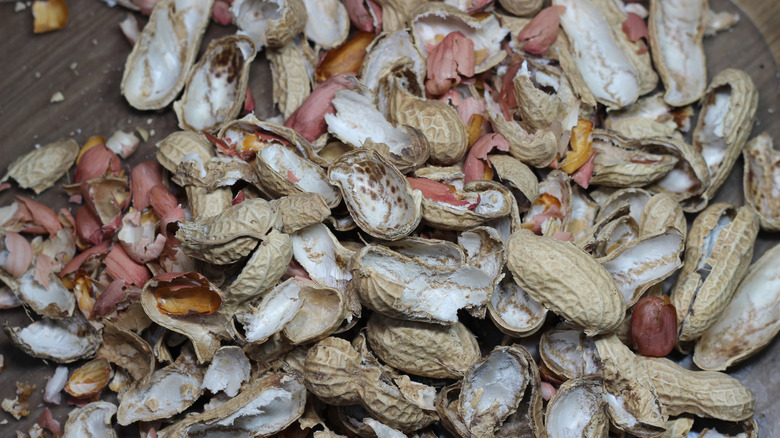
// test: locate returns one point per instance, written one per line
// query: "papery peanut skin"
(654, 327)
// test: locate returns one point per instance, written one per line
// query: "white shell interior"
(572, 411)
(387, 53)
(170, 390)
(155, 71)
(438, 293)
(55, 299)
(268, 413)
(515, 308)
(484, 249)
(492, 389)
(311, 178)
(212, 89)
(377, 196)
(382, 430)
(227, 371)
(276, 309)
(322, 256)
(92, 420)
(645, 262)
(357, 119)
(712, 136)
(252, 16)
(327, 23)
(604, 67)
(749, 321)
(677, 28)
(61, 340)
(570, 352)
(440, 253)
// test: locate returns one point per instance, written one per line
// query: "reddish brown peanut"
(654, 326)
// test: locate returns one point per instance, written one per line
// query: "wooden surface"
(765, 14)
(85, 62)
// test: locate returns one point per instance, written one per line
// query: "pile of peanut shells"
(460, 224)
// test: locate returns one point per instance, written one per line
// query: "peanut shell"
(151, 80)
(703, 393)
(566, 280)
(717, 255)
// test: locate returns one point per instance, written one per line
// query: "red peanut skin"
(654, 327)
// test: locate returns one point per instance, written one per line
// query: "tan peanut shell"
(495, 201)
(760, 182)
(396, 13)
(214, 173)
(522, 8)
(204, 204)
(93, 418)
(621, 162)
(650, 116)
(423, 349)
(175, 28)
(513, 311)
(569, 354)
(632, 402)
(688, 178)
(493, 389)
(230, 235)
(301, 210)
(173, 148)
(40, 168)
(717, 255)
(283, 172)
(749, 322)
(566, 280)
(703, 393)
(235, 133)
(385, 52)
(561, 51)
(726, 119)
(60, 340)
(544, 98)
(518, 176)
(678, 427)
(262, 271)
(437, 121)
(644, 262)
(216, 85)
(269, 23)
(343, 374)
(128, 350)
(537, 151)
(170, 390)
(662, 212)
(292, 83)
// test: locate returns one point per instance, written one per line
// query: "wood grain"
(765, 14)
